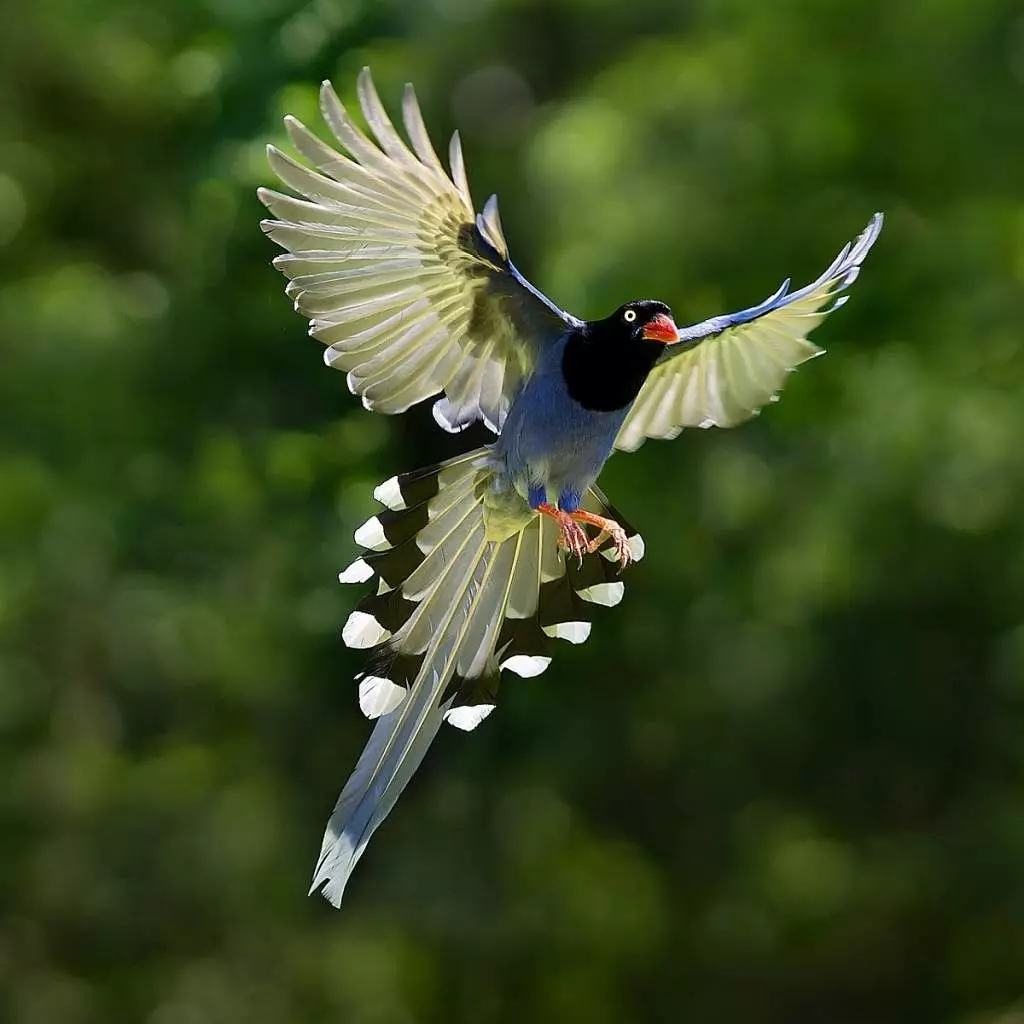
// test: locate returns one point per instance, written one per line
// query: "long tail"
(462, 591)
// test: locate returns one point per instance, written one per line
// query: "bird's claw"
(572, 535)
(623, 552)
(573, 539)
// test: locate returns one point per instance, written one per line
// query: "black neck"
(604, 370)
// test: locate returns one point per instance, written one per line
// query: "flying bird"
(476, 564)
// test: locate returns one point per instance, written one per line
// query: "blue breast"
(553, 448)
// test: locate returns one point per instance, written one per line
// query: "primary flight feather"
(479, 562)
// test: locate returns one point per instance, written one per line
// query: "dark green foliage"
(784, 780)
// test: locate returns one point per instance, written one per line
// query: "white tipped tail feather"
(468, 581)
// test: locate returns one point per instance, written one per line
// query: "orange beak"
(661, 328)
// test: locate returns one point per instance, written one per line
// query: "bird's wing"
(722, 371)
(411, 292)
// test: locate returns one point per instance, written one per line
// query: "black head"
(638, 322)
(607, 361)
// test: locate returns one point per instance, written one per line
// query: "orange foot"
(607, 528)
(572, 538)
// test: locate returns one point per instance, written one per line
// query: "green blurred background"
(784, 781)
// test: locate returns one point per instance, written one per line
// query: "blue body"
(552, 447)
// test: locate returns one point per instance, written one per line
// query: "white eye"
(629, 316)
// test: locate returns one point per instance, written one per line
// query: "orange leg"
(608, 528)
(573, 538)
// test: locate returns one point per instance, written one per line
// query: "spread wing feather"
(724, 370)
(411, 292)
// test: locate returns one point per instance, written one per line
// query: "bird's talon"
(622, 550)
(620, 542)
(573, 538)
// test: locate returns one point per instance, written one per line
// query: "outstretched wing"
(410, 291)
(722, 371)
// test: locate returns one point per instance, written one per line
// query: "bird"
(476, 564)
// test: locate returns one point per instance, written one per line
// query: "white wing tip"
(379, 696)
(371, 535)
(469, 716)
(574, 632)
(358, 572)
(390, 494)
(607, 594)
(526, 665)
(362, 630)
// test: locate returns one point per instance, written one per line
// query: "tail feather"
(364, 803)
(455, 602)
(397, 744)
